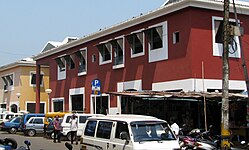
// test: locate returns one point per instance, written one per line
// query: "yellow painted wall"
(22, 84)
(29, 91)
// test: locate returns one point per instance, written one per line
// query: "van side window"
(104, 130)
(82, 119)
(68, 118)
(121, 127)
(90, 128)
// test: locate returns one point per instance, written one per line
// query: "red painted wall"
(184, 61)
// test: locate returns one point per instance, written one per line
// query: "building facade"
(173, 48)
(18, 86)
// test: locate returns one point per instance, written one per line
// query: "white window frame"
(34, 85)
(55, 99)
(76, 91)
(92, 101)
(7, 77)
(83, 53)
(160, 53)
(33, 102)
(61, 72)
(143, 43)
(101, 61)
(218, 47)
(116, 66)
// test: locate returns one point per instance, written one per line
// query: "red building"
(172, 48)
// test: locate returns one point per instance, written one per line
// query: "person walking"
(57, 129)
(73, 127)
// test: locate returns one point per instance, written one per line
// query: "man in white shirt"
(74, 127)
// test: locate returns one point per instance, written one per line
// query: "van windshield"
(151, 131)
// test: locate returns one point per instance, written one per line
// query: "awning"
(182, 94)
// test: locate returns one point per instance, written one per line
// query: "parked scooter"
(197, 140)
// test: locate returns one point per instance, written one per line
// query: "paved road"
(37, 142)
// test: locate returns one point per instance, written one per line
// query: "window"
(118, 48)
(61, 63)
(104, 130)
(176, 37)
(155, 38)
(69, 61)
(33, 79)
(5, 83)
(10, 79)
(8, 82)
(105, 53)
(90, 128)
(38, 121)
(58, 104)
(121, 127)
(234, 46)
(136, 41)
(82, 119)
(82, 56)
(61, 71)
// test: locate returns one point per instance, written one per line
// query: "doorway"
(100, 104)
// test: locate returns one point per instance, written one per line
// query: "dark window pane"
(90, 128)
(104, 130)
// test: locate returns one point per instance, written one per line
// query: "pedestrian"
(175, 128)
(57, 129)
(73, 127)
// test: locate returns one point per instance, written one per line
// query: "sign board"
(96, 87)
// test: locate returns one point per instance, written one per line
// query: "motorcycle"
(197, 140)
(11, 144)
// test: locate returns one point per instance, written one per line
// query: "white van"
(81, 123)
(7, 115)
(128, 132)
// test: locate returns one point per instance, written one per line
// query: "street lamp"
(18, 96)
(48, 91)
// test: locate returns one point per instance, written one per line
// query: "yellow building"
(18, 86)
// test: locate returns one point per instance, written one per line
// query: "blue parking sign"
(96, 87)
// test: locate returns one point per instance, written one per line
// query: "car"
(34, 126)
(133, 132)
(81, 123)
(26, 117)
(12, 126)
(50, 129)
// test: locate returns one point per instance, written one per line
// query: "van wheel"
(12, 130)
(69, 136)
(52, 135)
(31, 132)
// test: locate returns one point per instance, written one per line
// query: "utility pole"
(225, 134)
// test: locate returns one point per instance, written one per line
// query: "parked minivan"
(26, 117)
(128, 132)
(81, 123)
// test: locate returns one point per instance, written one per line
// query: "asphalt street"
(38, 142)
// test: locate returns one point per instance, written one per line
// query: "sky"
(27, 25)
